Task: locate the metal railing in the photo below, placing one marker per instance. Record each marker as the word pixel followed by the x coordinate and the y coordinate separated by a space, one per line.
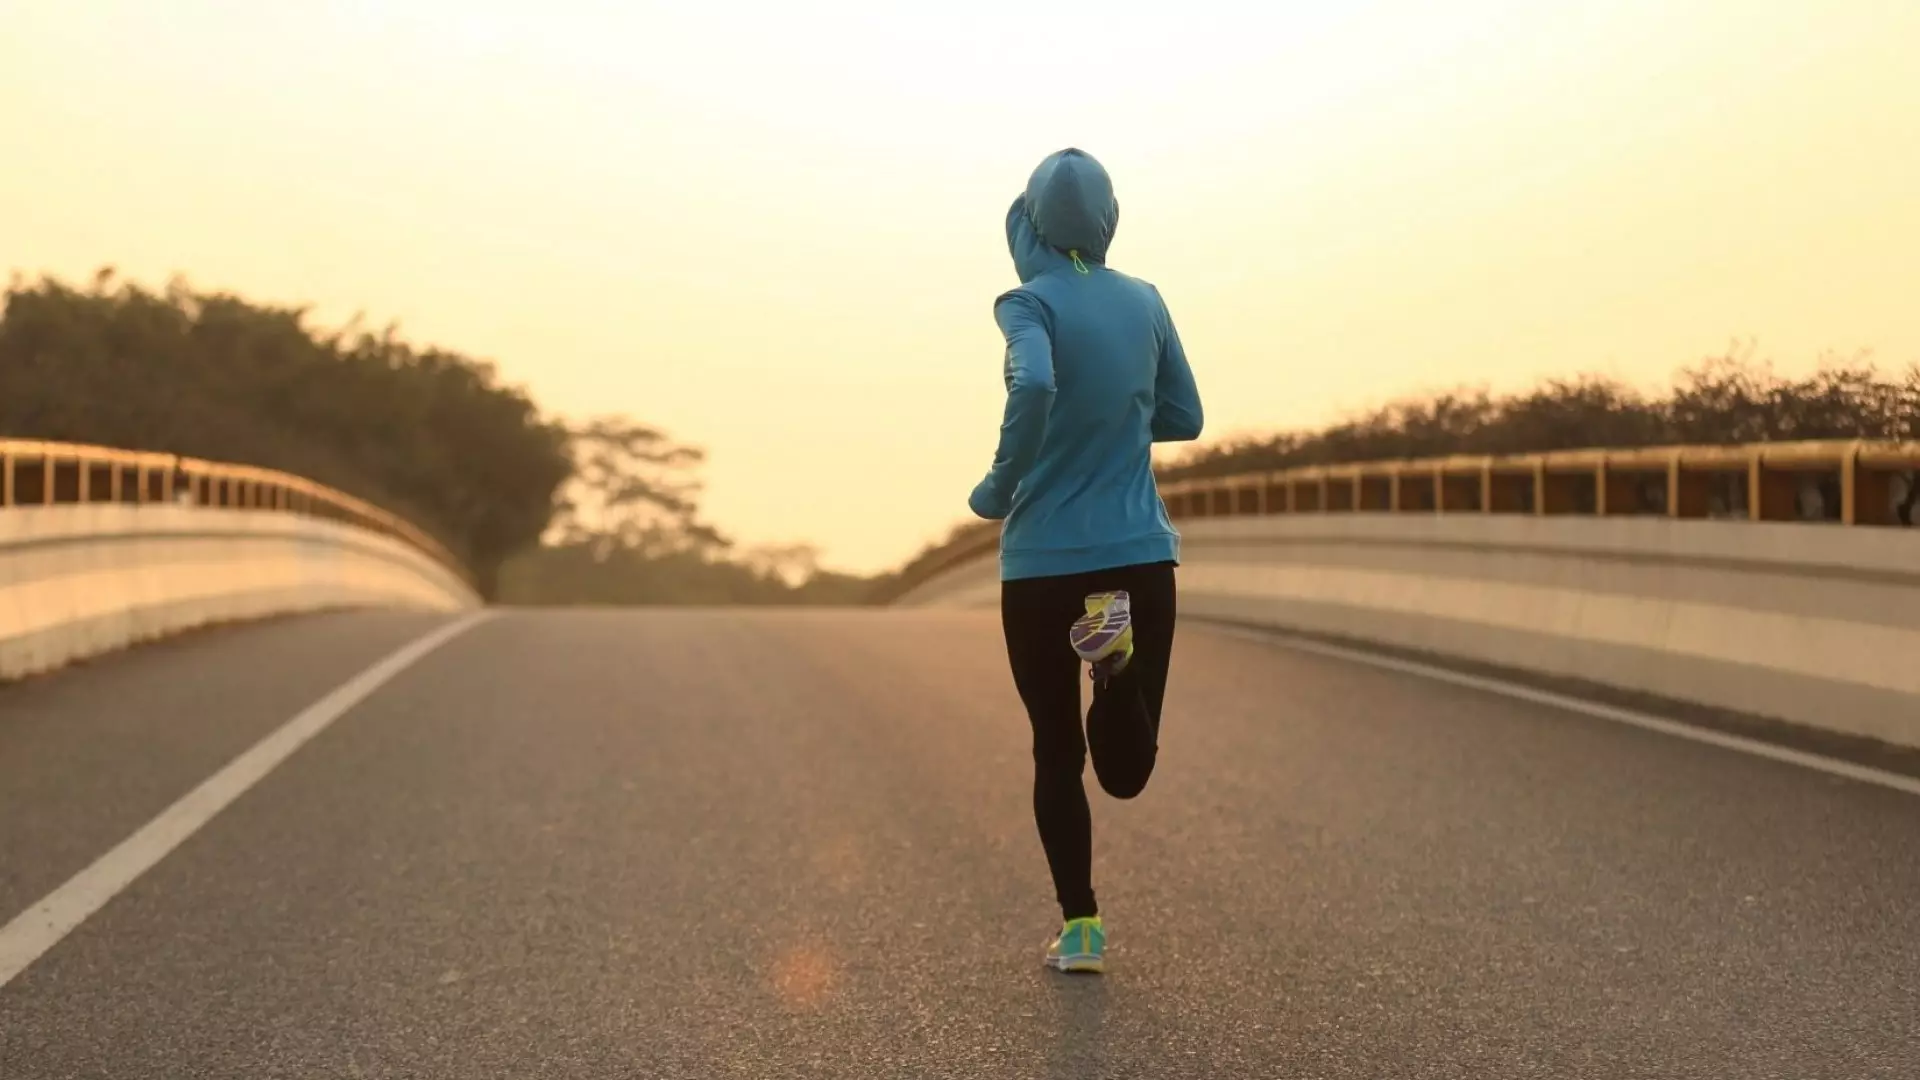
pixel 35 473
pixel 1847 482
pixel 1856 483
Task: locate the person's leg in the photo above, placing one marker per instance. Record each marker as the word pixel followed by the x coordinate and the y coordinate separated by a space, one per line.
pixel 1123 724
pixel 1034 617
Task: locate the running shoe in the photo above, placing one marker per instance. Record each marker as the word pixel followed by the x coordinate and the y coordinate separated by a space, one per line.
pixel 1081 946
pixel 1103 637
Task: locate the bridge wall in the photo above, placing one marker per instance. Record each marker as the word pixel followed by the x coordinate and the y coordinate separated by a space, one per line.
pixel 81 580
pixel 1814 624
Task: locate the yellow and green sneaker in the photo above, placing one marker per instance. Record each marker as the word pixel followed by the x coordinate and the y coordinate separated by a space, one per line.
pixel 1081 946
pixel 1103 637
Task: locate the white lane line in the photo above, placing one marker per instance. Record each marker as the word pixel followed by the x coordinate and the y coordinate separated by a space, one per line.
pixel 1818 762
pixel 41 926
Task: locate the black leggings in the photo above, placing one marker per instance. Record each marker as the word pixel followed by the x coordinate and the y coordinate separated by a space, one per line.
pixel 1122 726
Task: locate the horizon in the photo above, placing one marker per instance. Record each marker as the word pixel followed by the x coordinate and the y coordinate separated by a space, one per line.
pixel 647 213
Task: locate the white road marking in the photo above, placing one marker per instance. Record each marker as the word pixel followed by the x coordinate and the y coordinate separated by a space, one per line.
pixel 1818 762
pixel 43 925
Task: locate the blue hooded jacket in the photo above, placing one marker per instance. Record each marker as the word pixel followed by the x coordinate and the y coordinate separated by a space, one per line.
pixel 1095 376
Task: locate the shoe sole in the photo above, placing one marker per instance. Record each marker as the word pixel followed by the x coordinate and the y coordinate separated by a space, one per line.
pixel 1095 645
pixel 1078 965
pixel 1097 635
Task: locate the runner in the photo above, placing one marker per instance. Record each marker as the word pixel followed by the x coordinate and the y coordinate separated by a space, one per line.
pixel 1095 375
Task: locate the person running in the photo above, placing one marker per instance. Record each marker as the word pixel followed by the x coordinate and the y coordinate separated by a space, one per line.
pixel 1095 375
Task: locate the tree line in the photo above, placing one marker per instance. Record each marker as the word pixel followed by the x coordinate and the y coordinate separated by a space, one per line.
pixel 1728 399
pixel 544 511
pixel 540 510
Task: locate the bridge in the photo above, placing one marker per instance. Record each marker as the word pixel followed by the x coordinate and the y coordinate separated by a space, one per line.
pixel 1566 765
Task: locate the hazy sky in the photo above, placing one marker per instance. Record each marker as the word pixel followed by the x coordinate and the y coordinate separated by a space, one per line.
pixel 775 229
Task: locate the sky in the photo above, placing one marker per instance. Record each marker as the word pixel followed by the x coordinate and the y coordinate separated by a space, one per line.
pixel 775 230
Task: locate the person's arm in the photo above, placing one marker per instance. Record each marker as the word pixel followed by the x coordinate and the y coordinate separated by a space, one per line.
pixel 1177 416
pixel 1029 375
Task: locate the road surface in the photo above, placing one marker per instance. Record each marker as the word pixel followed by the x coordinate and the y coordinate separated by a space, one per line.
pixel 798 844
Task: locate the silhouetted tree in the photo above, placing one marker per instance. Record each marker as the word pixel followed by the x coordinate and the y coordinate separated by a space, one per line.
pixel 630 533
pixel 633 488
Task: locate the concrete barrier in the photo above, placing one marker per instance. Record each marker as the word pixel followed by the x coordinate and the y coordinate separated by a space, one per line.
pixel 1813 624
pixel 84 579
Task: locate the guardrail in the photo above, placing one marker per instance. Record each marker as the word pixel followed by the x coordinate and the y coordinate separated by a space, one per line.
pixel 1845 482
pixel 1848 482
pixel 36 473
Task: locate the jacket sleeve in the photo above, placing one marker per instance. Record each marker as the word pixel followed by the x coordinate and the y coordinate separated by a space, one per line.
pixel 1177 416
pixel 1025 323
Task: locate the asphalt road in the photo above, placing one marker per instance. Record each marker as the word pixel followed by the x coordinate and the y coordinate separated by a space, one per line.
pixel 681 844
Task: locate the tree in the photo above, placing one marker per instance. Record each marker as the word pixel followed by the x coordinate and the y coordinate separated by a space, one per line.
pixel 630 532
pixel 633 488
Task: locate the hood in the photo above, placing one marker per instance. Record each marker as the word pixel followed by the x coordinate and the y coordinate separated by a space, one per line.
pixel 1067 210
